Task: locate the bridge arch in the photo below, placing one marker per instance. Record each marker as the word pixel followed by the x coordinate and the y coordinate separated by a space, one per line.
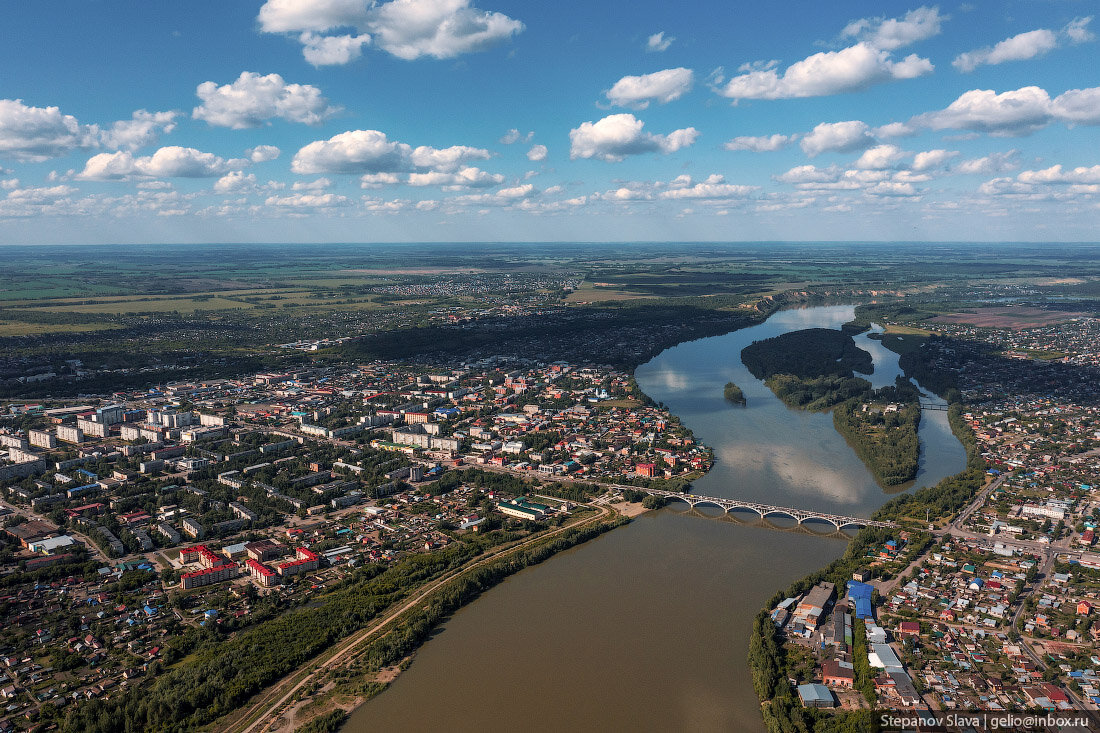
pixel 780 512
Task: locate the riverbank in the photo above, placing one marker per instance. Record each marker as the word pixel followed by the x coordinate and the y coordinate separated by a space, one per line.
pixel 363 665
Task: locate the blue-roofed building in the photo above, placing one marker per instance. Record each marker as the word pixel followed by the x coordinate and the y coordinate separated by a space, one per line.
pixel 816 696
pixel 860 594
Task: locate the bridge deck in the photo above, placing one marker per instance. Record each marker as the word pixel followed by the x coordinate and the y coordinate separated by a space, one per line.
pixel 799 515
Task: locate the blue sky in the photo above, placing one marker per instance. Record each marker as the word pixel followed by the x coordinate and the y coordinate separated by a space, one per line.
pixel 487 120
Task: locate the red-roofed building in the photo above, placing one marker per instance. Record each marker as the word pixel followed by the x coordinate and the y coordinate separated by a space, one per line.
pixel 261 573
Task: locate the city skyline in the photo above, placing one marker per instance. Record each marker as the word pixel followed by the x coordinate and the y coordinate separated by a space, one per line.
pixel 454 120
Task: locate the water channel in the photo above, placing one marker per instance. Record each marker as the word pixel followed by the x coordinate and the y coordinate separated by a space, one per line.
pixel 646 628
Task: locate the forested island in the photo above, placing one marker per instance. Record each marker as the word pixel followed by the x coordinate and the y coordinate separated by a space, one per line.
pixel 734 394
pixel 815 369
pixel 812 369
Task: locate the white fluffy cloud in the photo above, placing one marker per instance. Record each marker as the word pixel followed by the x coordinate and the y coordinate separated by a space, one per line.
pixel 537 153
pixel 167 162
pixel 616 136
pixel 253 99
pixel 839 137
pixel 385 162
pixel 828 72
pixel 442 29
pixel 408 29
pixel 234 181
pixel 469 177
pixel 660 86
pixel 319 184
pixel 1025 46
pixel 931 159
pixel 867 62
pixel 143 128
pixel 262 153
pixel 880 157
pixel 657 42
pixel 1013 113
pixel 894 33
pixel 1056 174
pixel 714 187
pixel 355 151
pixel 378 180
pixel 993 163
pixel 515 136
pixel 321 50
pixel 763 144
pixel 446 159
pixel 38 133
pixel 308 201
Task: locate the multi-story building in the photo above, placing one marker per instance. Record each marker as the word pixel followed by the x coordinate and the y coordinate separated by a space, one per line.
pixel 70 434
pixel 42 439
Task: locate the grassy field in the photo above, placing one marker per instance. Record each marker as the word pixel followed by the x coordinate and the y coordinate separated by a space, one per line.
pixel 153 305
pixel 19 328
pixel 589 293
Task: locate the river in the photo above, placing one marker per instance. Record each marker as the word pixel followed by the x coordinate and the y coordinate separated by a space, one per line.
pixel 647 627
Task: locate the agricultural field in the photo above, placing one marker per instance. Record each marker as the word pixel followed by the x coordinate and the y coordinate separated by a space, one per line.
pixel 1014 317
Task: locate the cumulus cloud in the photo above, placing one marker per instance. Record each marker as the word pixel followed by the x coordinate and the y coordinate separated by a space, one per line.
pixel 1023 46
pixel 319 184
pixel 616 136
pixel 308 201
pixel 880 157
pixel 321 50
pixel 1056 174
pixel 510 196
pixel 234 181
pixel 839 137
pixel 537 153
pixel 378 180
pixel 515 136
pixel 469 177
pixel 872 182
pixel 867 62
pixel 657 42
pixel 714 187
pixel 763 144
pixel 442 29
pixel 262 153
pixel 1077 106
pixel 1013 113
pixel 993 163
pixel 253 99
pixel 355 151
pixel 828 72
pixel 385 162
pixel 408 29
pixel 931 159
pixel 39 133
pixel 660 86
pixel 893 33
pixel 143 128
pixel 40 195
pixel 446 159
pixel 168 162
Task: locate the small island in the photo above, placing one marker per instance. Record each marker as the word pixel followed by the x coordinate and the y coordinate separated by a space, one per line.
pixel 815 369
pixel 734 394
